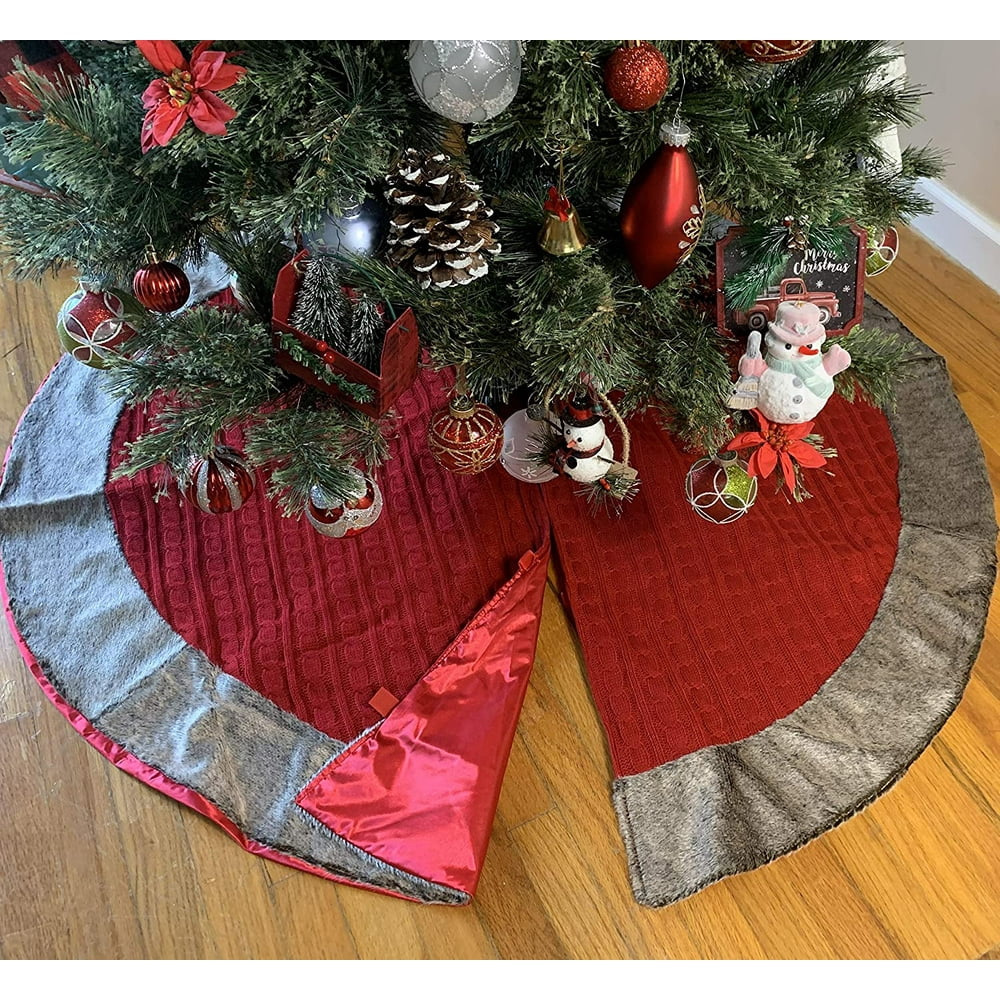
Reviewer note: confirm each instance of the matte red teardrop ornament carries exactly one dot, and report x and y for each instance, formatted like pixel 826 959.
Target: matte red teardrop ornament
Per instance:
pixel 663 210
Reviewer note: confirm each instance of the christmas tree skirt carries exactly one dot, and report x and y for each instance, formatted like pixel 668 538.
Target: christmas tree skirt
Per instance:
pixel 347 706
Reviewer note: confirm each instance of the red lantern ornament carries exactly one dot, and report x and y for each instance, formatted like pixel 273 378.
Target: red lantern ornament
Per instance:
pixel 353 516
pixel 90 324
pixel 161 286
pixel 775 52
pixel 465 437
pixel 636 76
pixel 220 483
pixel 663 211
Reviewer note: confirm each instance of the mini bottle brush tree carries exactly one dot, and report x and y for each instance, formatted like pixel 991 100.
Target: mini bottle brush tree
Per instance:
pixel 311 128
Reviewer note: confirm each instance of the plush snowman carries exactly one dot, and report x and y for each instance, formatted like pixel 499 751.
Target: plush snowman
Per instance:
pixel 796 379
pixel 587 452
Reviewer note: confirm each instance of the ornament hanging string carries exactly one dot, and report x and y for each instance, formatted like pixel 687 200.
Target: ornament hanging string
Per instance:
pixel 461 379
pixel 678 122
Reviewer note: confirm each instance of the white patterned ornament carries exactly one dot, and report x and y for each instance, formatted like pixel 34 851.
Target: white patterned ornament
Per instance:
pixel 353 516
pixel 720 488
pixel 466 81
pixel 521 436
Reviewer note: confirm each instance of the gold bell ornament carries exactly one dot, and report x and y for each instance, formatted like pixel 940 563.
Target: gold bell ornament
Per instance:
pixel 562 232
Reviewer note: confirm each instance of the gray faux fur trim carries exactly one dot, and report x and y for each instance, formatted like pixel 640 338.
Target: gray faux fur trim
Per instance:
pixel 732 808
pixel 109 654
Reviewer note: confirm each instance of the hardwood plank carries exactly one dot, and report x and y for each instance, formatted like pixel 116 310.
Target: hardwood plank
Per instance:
pixel 61 878
pixel 161 872
pixel 238 905
pixel 524 795
pixel 510 908
pixel 808 908
pixel 305 917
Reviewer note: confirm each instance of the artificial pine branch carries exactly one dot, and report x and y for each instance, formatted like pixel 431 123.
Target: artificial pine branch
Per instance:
pixel 313 443
pixel 293 346
pixel 320 122
pixel 879 361
pixel 256 260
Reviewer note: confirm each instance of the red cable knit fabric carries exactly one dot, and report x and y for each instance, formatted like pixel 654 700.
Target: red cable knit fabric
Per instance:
pixel 694 634
pixel 698 634
pixel 317 624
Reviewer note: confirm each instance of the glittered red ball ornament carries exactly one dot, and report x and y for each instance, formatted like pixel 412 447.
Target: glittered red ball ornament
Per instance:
pixel 663 210
pixel 161 286
pixel 91 324
pixel 636 76
pixel 219 483
pixel 354 515
pixel 775 52
pixel 465 437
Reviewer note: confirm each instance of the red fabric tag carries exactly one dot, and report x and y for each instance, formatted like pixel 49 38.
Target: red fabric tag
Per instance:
pixel 383 701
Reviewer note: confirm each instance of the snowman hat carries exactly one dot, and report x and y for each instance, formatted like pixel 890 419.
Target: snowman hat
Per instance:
pixel 797 322
pixel 580 410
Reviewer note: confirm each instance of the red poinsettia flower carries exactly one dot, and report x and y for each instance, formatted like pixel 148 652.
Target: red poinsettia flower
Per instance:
pixel 187 91
pixel 778 443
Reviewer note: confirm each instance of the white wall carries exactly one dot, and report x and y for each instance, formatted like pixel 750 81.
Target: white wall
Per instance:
pixel 962 116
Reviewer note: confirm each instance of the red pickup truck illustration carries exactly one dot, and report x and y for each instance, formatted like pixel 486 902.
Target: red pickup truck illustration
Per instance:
pixel 763 310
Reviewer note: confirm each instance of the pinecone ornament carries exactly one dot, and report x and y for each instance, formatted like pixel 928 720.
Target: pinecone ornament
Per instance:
pixel 440 228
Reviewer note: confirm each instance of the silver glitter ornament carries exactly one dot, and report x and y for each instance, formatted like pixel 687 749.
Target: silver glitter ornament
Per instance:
pixel 466 81
pixel 350 518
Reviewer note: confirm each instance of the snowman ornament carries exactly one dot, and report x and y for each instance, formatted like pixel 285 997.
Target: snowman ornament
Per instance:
pixel 587 453
pixel 796 378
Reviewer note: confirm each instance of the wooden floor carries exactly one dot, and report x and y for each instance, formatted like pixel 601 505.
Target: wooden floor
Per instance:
pixel 95 865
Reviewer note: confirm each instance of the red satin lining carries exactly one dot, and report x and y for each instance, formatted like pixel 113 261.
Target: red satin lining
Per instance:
pixel 420 791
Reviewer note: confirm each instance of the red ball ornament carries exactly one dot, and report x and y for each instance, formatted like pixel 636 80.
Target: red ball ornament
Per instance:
pixel 775 52
pixel 220 483
pixel 465 437
pixel 663 210
pixel 636 76
pixel 90 324
pixel 354 515
pixel 161 286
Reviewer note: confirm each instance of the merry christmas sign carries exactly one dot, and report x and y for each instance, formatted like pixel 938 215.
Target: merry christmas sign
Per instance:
pixel 836 284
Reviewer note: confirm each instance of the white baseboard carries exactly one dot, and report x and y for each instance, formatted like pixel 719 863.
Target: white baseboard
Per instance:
pixel 961 231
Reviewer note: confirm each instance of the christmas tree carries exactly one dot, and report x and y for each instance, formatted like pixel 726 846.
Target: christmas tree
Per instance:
pixel 785 139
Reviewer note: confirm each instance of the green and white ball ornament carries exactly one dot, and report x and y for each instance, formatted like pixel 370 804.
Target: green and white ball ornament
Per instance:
pixel 720 487
pixel 92 324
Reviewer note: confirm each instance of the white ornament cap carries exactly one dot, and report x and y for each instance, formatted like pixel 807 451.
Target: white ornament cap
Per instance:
pixel 675 133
